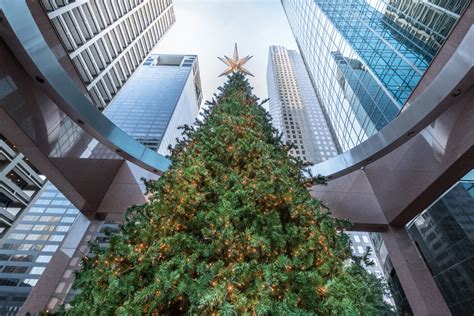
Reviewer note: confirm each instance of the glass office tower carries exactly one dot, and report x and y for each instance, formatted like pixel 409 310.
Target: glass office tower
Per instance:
pixel 444 234
pixel 365 57
pixel 165 92
pixel 30 244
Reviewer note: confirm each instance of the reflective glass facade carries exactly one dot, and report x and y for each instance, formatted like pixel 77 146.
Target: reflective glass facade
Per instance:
pixel 156 92
pixel 365 57
pixel 29 245
pixel 444 234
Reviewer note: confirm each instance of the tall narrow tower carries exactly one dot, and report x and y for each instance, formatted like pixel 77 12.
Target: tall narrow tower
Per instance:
pixel 294 107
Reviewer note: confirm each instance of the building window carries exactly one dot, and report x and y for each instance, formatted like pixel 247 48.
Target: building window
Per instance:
pixel 9 282
pixel 23 258
pixel 37 270
pixel 14 269
pixel 4 200
pixel 43 259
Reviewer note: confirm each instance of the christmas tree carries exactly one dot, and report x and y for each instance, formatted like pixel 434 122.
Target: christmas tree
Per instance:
pixel 230 228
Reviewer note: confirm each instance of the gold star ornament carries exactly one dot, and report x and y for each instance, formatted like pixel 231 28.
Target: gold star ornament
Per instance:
pixel 235 64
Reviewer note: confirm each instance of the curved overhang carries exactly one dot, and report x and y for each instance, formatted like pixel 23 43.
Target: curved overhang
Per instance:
pixel 33 52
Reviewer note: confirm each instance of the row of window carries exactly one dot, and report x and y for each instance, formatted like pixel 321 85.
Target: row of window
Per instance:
pixel 108 41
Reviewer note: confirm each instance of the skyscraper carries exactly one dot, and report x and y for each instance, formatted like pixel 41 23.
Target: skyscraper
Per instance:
pixel 107 40
pixel 294 107
pixel 29 246
pixel 444 234
pixel 165 92
pixel 297 114
pixel 365 57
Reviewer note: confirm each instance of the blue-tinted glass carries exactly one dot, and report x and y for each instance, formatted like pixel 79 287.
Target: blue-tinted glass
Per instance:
pixel 374 52
pixel 445 237
pixel 146 103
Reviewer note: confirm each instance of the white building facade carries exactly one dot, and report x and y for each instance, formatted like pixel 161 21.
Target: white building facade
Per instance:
pixel 108 40
pixel 294 107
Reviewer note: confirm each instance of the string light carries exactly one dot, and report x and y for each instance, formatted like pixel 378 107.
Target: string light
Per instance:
pixel 189 224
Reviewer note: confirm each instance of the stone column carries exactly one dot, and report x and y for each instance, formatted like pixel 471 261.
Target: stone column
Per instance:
pixel 418 284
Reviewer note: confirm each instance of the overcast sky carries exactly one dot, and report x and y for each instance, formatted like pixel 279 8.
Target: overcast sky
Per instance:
pixel 209 28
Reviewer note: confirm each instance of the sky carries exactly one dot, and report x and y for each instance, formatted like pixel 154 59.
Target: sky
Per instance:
pixel 209 28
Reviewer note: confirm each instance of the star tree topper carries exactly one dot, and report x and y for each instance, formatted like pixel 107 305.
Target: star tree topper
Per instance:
pixel 235 64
